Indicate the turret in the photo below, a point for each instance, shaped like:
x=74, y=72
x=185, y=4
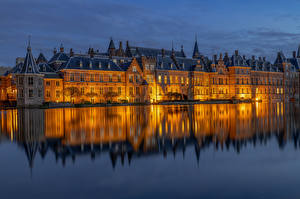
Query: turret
x=111, y=48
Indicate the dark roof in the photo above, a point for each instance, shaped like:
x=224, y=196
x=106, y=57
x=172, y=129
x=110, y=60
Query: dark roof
x=41, y=59
x=29, y=65
x=151, y=52
x=86, y=63
x=53, y=75
x=60, y=56
x=45, y=68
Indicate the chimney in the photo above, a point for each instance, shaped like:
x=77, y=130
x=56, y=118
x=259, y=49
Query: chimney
x=163, y=52
x=236, y=52
x=54, y=51
x=294, y=54
x=120, y=46
x=71, y=52
x=215, y=57
x=61, y=48
x=92, y=53
x=221, y=56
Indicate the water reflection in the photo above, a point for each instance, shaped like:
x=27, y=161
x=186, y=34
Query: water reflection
x=126, y=133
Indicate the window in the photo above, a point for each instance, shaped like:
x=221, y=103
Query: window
x=101, y=91
x=48, y=93
x=57, y=83
x=110, y=77
x=47, y=83
x=182, y=80
x=110, y=89
x=119, y=90
x=133, y=69
x=30, y=93
x=119, y=78
x=137, y=78
x=39, y=93
x=137, y=89
x=92, y=77
x=131, y=78
x=21, y=93
x=57, y=94
x=82, y=91
x=81, y=77
x=220, y=81
x=131, y=91
x=159, y=78
x=72, y=77
x=237, y=81
x=100, y=78
x=30, y=80
x=92, y=89
x=166, y=79
x=21, y=80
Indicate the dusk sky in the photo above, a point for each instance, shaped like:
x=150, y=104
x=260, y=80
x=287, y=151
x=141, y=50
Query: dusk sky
x=259, y=27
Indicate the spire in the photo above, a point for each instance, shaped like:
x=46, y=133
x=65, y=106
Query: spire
x=173, y=52
x=29, y=65
x=111, y=44
x=182, y=51
x=111, y=48
x=128, y=51
x=298, y=52
x=29, y=47
x=196, y=53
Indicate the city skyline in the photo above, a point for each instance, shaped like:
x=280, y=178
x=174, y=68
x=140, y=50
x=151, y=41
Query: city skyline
x=81, y=25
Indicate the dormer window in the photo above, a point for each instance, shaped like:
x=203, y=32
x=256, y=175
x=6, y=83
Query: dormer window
x=161, y=65
x=182, y=65
x=108, y=65
x=91, y=64
x=80, y=64
x=99, y=64
x=44, y=68
x=115, y=61
x=29, y=69
x=171, y=66
x=133, y=69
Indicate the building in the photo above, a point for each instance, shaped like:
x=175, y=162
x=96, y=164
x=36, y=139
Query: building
x=139, y=74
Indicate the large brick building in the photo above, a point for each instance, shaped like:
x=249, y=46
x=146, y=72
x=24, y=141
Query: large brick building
x=138, y=74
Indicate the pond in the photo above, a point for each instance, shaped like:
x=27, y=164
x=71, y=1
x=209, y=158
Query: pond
x=197, y=151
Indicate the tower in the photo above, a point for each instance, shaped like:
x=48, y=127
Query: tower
x=111, y=48
x=30, y=85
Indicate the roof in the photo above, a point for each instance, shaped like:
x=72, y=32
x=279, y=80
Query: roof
x=86, y=63
x=45, y=68
x=60, y=56
x=151, y=52
x=29, y=65
x=41, y=59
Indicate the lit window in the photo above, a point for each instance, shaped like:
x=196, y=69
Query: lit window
x=159, y=79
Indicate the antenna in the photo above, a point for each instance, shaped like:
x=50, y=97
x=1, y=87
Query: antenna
x=29, y=38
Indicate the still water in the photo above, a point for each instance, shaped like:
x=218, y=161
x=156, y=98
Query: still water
x=200, y=151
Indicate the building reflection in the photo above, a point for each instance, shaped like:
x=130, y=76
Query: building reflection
x=130, y=132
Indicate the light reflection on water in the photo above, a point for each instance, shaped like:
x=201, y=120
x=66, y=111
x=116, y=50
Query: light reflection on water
x=126, y=135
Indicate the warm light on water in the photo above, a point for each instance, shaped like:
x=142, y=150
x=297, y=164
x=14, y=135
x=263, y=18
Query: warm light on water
x=151, y=151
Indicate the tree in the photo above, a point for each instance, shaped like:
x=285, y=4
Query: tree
x=110, y=95
x=71, y=92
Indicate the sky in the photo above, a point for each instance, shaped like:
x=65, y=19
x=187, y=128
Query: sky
x=254, y=27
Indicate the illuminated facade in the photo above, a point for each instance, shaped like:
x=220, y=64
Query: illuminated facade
x=135, y=131
x=139, y=74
